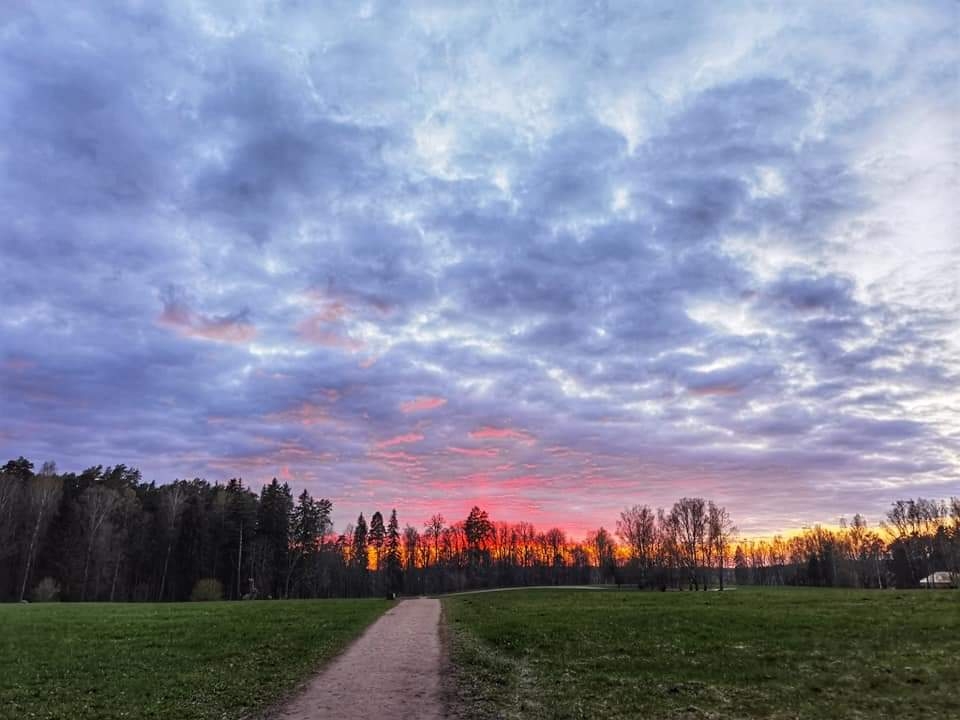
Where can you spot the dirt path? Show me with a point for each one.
(392, 671)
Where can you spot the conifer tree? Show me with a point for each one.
(359, 557)
(394, 559)
(305, 534)
(377, 537)
(360, 544)
(273, 532)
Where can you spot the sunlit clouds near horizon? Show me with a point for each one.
(552, 259)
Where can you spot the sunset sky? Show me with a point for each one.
(550, 258)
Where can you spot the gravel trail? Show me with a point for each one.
(392, 671)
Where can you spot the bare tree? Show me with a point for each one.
(42, 499)
(172, 506)
(556, 543)
(11, 491)
(689, 516)
(127, 509)
(96, 505)
(604, 552)
(637, 527)
(721, 531)
(434, 529)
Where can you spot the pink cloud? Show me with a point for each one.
(338, 299)
(291, 457)
(475, 452)
(398, 460)
(313, 330)
(400, 440)
(327, 325)
(422, 403)
(331, 311)
(221, 328)
(331, 394)
(521, 482)
(18, 364)
(488, 432)
(305, 414)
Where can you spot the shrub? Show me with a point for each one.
(207, 589)
(47, 590)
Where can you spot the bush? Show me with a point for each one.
(207, 589)
(47, 590)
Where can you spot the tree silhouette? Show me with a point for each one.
(104, 534)
(478, 529)
(394, 555)
(377, 537)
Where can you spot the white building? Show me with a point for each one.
(939, 579)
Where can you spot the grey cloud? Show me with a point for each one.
(570, 222)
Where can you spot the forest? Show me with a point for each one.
(104, 534)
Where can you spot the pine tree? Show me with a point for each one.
(304, 538)
(394, 559)
(239, 523)
(377, 537)
(273, 531)
(360, 557)
(359, 553)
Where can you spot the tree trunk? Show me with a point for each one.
(113, 583)
(34, 537)
(286, 583)
(86, 570)
(163, 577)
(240, 564)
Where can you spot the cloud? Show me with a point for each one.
(222, 328)
(804, 292)
(475, 452)
(422, 403)
(404, 439)
(488, 432)
(650, 255)
(312, 330)
(306, 414)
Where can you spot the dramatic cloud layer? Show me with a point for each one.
(554, 259)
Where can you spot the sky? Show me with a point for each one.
(555, 259)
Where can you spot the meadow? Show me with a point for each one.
(189, 661)
(772, 653)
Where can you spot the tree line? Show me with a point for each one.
(916, 538)
(105, 534)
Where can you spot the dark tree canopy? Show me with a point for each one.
(105, 534)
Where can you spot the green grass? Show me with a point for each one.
(183, 661)
(777, 653)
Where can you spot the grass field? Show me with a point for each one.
(177, 661)
(777, 653)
